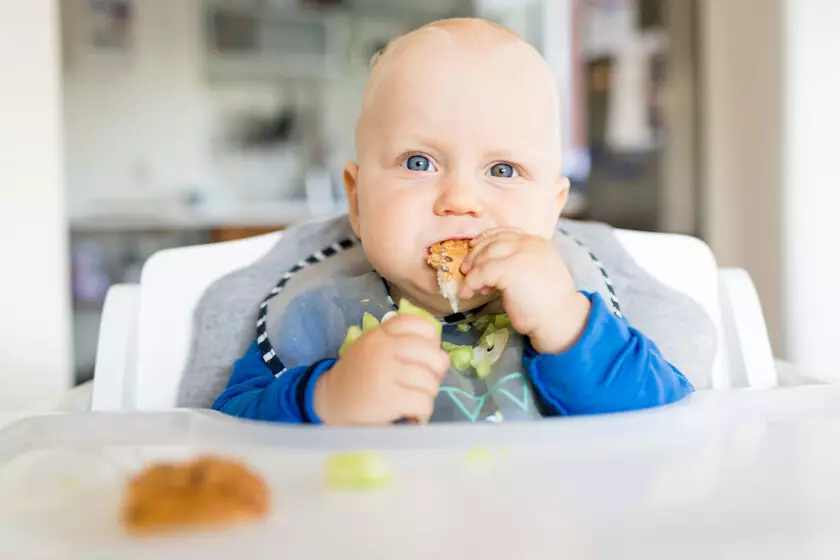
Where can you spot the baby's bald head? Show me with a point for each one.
(431, 53)
(458, 133)
(480, 31)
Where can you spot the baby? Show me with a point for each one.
(458, 139)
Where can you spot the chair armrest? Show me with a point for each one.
(77, 399)
(115, 353)
(748, 343)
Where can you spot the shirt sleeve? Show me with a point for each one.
(254, 392)
(611, 368)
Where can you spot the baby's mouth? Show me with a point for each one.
(448, 241)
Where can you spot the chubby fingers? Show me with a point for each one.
(492, 232)
(495, 243)
(405, 325)
(412, 406)
(484, 277)
(420, 366)
(415, 346)
(420, 353)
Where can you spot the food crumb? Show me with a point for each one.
(361, 470)
(479, 455)
(68, 483)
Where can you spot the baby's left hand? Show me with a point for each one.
(537, 290)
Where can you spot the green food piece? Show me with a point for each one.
(362, 470)
(493, 339)
(482, 322)
(479, 455)
(463, 327)
(369, 322)
(501, 321)
(490, 352)
(461, 357)
(485, 341)
(482, 369)
(409, 308)
(353, 334)
(68, 483)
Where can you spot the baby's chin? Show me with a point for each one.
(440, 306)
(427, 295)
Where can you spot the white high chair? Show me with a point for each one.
(146, 329)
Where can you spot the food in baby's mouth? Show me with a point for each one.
(447, 257)
(208, 491)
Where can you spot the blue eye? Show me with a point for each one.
(504, 170)
(419, 163)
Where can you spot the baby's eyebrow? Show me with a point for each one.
(501, 153)
(408, 142)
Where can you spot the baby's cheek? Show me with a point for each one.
(529, 212)
(397, 215)
(386, 237)
(545, 223)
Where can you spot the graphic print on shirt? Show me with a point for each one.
(485, 379)
(504, 393)
(472, 405)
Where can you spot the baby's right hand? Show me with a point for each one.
(390, 373)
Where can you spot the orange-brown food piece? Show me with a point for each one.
(447, 257)
(208, 491)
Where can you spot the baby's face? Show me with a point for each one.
(453, 140)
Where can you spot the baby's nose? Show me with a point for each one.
(458, 198)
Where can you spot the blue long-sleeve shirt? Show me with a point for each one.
(612, 367)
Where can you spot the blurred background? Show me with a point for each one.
(129, 126)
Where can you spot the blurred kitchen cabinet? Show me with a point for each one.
(308, 39)
(233, 233)
(266, 42)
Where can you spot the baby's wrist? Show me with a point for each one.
(565, 326)
(321, 399)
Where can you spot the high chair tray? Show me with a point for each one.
(749, 474)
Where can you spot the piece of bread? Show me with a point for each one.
(208, 491)
(447, 257)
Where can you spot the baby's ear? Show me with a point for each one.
(351, 184)
(562, 187)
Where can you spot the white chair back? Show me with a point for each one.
(174, 280)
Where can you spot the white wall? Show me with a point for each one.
(772, 173)
(741, 118)
(811, 222)
(35, 359)
(144, 126)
